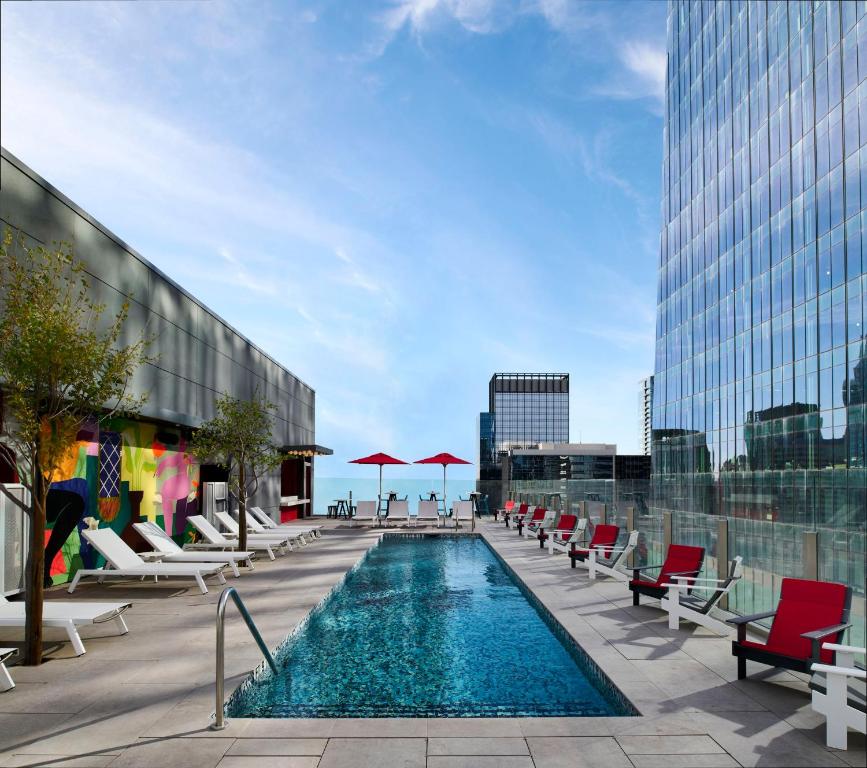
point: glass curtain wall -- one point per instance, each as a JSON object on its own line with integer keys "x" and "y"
{"x": 759, "y": 404}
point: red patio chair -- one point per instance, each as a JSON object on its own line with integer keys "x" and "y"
{"x": 566, "y": 527}
{"x": 603, "y": 536}
{"x": 537, "y": 517}
{"x": 681, "y": 560}
{"x": 519, "y": 515}
{"x": 808, "y": 614}
{"x": 507, "y": 507}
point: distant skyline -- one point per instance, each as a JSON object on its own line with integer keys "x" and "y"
{"x": 393, "y": 199}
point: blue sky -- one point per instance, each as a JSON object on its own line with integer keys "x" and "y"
{"x": 393, "y": 199}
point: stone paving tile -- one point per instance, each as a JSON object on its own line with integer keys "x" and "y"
{"x": 380, "y": 727}
{"x": 268, "y": 762}
{"x": 56, "y": 761}
{"x": 570, "y": 726}
{"x": 668, "y": 745}
{"x": 477, "y": 746}
{"x": 577, "y": 752}
{"x": 721, "y": 760}
{"x": 272, "y": 728}
{"x": 172, "y": 753}
{"x": 477, "y": 761}
{"x": 473, "y": 726}
{"x": 254, "y": 747}
{"x": 374, "y": 753}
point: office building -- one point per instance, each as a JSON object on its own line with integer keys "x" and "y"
{"x": 758, "y": 404}
{"x": 645, "y": 413}
{"x": 524, "y": 409}
{"x": 133, "y": 469}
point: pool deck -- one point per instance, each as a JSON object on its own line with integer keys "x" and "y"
{"x": 144, "y": 700}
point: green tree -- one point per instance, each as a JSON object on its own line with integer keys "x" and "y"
{"x": 238, "y": 439}
{"x": 62, "y": 365}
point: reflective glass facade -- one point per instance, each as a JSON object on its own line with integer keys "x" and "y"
{"x": 759, "y": 392}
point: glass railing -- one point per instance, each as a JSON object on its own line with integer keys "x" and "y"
{"x": 770, "y": 550}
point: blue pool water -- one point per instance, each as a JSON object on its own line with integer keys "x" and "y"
{"x": 429, "y": 626}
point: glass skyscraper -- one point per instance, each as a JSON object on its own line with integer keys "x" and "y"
{"x": 759, "y": 400}
{"x": 524, "y": 409}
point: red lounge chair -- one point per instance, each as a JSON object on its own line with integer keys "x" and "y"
{"x": 808, "y": 614}
{"x": 681, "y": 560}
{"x": 536, "y": 519}
{"x": 507, "y": 508}
{"x": 603, "y": 536}
{"x": 567, "y": 526}
{"x": 519, "y": 515}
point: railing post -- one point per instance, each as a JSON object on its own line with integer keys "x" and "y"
{"x": 722, "y": 554}
{"x": 810, "y": 555}
{"x": 603, "y": 515}
{"x": 666, "y": 531}
{"x": 630, "y": 526}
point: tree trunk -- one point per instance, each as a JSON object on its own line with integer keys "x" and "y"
{"x": 35, "y": 573}
{"x": 242, "y": 507}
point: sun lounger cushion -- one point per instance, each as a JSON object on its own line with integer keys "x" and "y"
{"x": 804, "y": 607}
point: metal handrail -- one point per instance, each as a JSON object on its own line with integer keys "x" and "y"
{"x": 220, "y": 721}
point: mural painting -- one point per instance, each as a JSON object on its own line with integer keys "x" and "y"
{"x": 126, "y": 472}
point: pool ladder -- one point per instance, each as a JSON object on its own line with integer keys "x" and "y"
{"x": 220, "y": 721}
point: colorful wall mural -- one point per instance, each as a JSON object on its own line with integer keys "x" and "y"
{"x": 122, "y": 473}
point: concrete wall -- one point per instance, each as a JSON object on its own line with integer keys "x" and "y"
{"x": 199, "y": 355}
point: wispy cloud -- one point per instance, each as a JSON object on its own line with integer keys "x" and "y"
{"x": 644, "y": 77}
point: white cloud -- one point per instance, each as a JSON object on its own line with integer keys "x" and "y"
{"x": 645, "y": 65}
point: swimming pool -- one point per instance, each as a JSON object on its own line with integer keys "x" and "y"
{"x": 429, "y": 626}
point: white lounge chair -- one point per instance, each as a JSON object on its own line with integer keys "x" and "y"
{"x": 365, "y": 512}
{"x": 680, "y": 604}
{"x": 296, "y": 533}
{"x": 213, "y": 539}
{"x": 68, "y": 615}
{"x": 313, "y": 531}
{"x": 6, "y": 681}
{"x": 569, "y": 530}
{"x": 398, "y": 512}
{"x": 168, "y": 552}
{"x": 612, "y": 561}
{"x": 462, "y": 512}
{"x": 838, "y": 693}
{"x": 234, "y": 530}
{"x": 125, "y": 563}
{"x": 428, "y": 512}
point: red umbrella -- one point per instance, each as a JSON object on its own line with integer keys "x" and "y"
{"x": 445, "y": 459}
{"x": 378, "y": 458}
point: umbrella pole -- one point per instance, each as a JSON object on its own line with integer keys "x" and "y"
{"x": 445, "y": 499}
{"x": 379, "y": 498}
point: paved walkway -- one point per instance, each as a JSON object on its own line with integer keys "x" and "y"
{"x": 145, "y": 699}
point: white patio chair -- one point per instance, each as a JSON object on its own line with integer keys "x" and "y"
{"x": 124, "y": 563}
{"x": 690, "y": 607}
{"x": 365, "y": 512}
{"x": 167, "y": 551}
{"x": 212, "y": 539}
{"x": 462, "y": 512}
{"x": 6, "y": 681}
{"x": 255, "y": 527}
{"x": 838, "y": 693}
{"x": 398, "y": 512}
{"x": 67, "y": 615}
{"x": 428, "y": 512}
{"x": 535, "y": 526}
{"x": 612, "y": 561}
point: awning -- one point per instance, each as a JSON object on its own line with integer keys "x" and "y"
{"x": 306, "y": 450}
